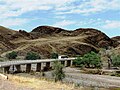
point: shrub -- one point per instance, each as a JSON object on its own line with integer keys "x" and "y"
{"x": 94, "y": 71}
{"x": 54, "y": 55}
{"x": 79, "y": 62}
{"x": 32, "y": 56}
{"x": 11, "y": 55}
{"x": 58, "y": 72}
{"x": 116, "y": 60}
{"x": 115, "y": 74}
{"x": 90, "y": 60}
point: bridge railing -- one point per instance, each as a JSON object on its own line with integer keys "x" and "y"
{"x": 22, "y": 62}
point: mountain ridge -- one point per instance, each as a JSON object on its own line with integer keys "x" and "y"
{"x": 47, "y": 39}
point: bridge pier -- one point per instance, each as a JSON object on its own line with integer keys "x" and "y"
{"x": 6, "y": 69}
{"x": 28, "y": 68}
{"x": 65, "y": 64}
{"x": 42, "y": 66}
{"x": 71, "y": 63}
{"x": 38, "y": 68}
{"x": 18, "y": 67}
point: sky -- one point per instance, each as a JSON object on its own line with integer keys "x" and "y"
{"x": 103, "y": 15}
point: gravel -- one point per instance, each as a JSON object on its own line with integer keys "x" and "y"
{"x": 73, "y": 75}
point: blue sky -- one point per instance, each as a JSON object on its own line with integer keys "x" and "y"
{"x": 68, "y": 14}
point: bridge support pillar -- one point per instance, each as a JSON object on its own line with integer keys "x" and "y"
{"x": 28, "y": 68}
{"x": 65, "y": 64}
{"x": 6, "y": 69}
{"x": 71, "y": 63}
{"x": 38, "y": 68}
{"x": 18, "y": 68}
{"x": 42, "y": 66}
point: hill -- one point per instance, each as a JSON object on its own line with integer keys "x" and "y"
{"x": 117, "y": 38}
{"x": 47, "y": 39}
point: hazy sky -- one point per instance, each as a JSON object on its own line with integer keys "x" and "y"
{"x": 68, "y": 14}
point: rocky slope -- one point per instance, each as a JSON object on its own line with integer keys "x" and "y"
{"x": 47, "y": 39}
{"x": 117, "y": 38}
{"x": 5, "y": 43}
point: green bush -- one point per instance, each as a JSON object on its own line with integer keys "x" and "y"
{"x": 79, "y": 62}
{"x": 115, "y": 74}
{"x": 32, "y": 56}
{"x": 116, "y": 60}
{"x": 90, "y": 60}
{"x": 11, "y": 55}
{"x": 58, "y": 72}
{"x": 54, "y": 55}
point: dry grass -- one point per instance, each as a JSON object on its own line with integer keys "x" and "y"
{"x": 40, "y": 84}
{"x": 45, "y": 46}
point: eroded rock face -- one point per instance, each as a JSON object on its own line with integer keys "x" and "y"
{"x": 97, "y": 38}
{"x": 79, "y": 49}
{"x": 117, "y": 38}
{"x": 24, "y": 33}
{"x": 101, "y": 41}
{"x": 47, "y": 39}
{"x": 5, "y": 45}
{"x": 21, "y": 34}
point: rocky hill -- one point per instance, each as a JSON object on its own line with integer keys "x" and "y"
{"x": 117, "y": 38}
{"x": 47, "y": 39}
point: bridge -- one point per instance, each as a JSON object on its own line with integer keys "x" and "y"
{"x": 39, "y": 64}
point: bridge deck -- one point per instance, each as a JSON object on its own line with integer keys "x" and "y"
{"x": 22, "y": 62}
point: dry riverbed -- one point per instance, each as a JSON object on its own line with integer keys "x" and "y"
{"x": 24, "y": 81}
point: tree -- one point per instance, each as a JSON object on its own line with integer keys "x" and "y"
{"x": 11, "y": 55}
{"x": 58, "y": 72}
{"x": 32, "y": 56}
{"x": 116, "y": 60}
{"x": 92, "y": 59}
{"x": 54, "y": 55}
{"x": 79, "y": 62}
{"x": 89, "y": 60}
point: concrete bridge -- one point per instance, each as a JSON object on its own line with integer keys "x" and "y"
{"x": 39, "y": 64}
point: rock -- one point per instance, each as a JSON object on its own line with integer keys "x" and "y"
{"x": 79, "y": 49}
{"x": 24, "y": 33}
{"x": 117, "y": 38}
